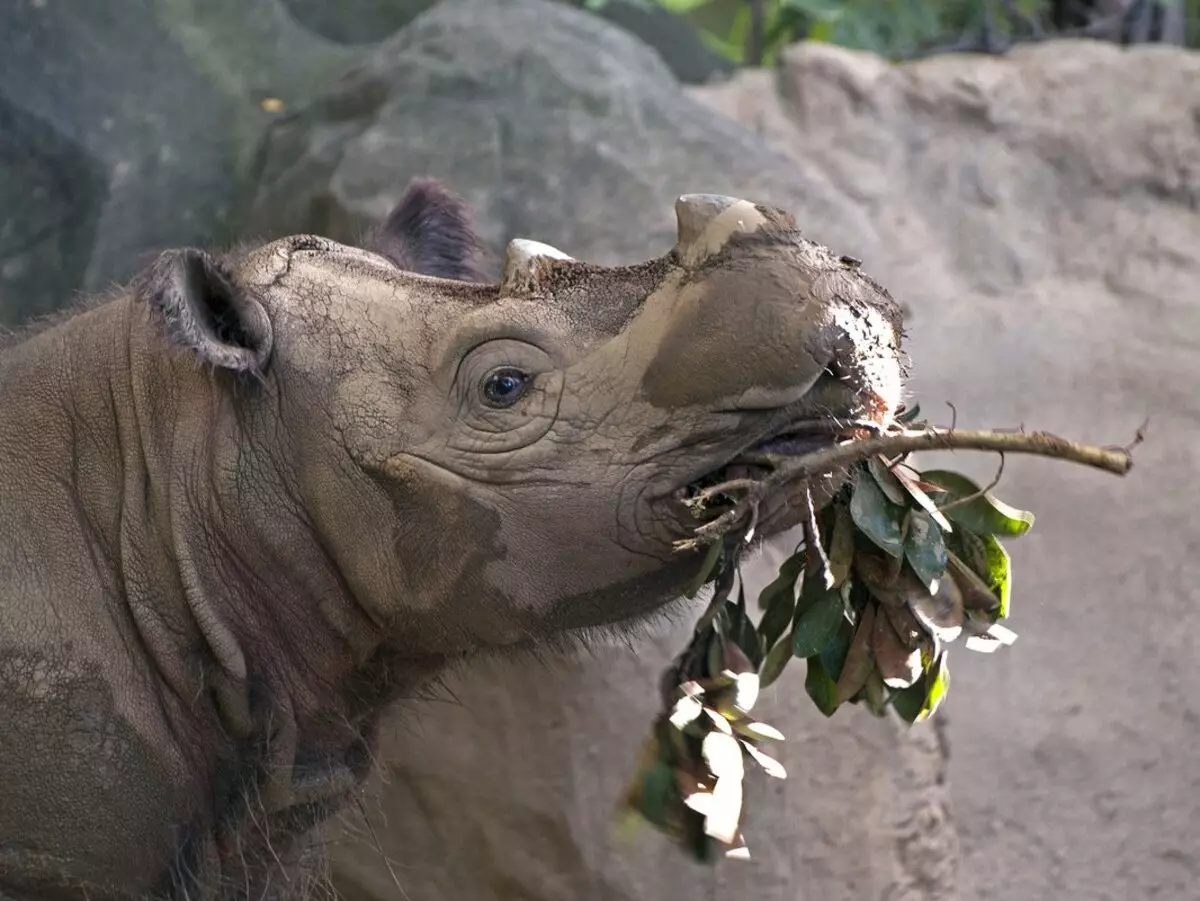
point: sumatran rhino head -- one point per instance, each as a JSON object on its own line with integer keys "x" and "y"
{"x": 498, "y": 463}
{"x": 256, "y": 497}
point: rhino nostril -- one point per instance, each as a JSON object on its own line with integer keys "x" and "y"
{"x": 835, "y": 370}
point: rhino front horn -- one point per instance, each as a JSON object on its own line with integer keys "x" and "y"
{"x": 526, "y": 266}
{"x": 706, "y": 223}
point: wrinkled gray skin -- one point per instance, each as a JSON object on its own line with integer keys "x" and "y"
{"x": 249, "y": 501}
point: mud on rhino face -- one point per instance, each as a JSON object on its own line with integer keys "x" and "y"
{"x": 514, "y": 457}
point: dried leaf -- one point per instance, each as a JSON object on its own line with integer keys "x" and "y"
{"x": 976, "y": 593}
{"x": 916, "y": 490}
{"x": 941, "y": 611}
{"x": 841, "y": 545}
{"x": 772, "y": 766}
{"x": 859, "y": 663}
{"x": 758, "y": 731}
{"x": 898, "y": 666}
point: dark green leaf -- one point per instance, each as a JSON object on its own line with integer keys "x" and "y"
{"x": 877, "y": 517}
{"x": 784, "y": 583}
{"x": 887, "y": 482}
{"x": 820, "y": 687}
{"x": 715, "y": 655}
{"x": 985, "y": 515}
{"x": 775, "y": 662}
{"x": 658, "y": 783}
{"x": 707, "y": 569}
{"x": 818, "y": 625}
{"x": 833, "y": 655}
{"x": 740, "y": 630}
{"x": 924, "y": 547}
{"x": 908, "y": 415}
{"x": 779, "y": 601}
{"x": 909, "y": 702}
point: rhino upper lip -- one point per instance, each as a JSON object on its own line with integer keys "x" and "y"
{"x": 794, "y": 438}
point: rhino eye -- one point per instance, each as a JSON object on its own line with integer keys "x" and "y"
{"x": 505, "y": 387}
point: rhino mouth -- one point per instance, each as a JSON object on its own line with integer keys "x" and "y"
{"x": 702, "y": 499}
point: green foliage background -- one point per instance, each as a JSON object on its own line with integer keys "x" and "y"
{"x": 895, "y": 29}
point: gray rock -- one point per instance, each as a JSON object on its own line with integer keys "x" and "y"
{"x": 551, "y": 123}
{"x": 355, "y": 21}
{"x": 127, "y": 126}
{"x": 559, "y": 127}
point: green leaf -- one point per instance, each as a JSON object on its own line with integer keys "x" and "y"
{"x": 833, "y": 655}
{"x": 707, "y": 569}
{"x": 876, "y": 517}
{"x": 777, "y": 618}
{"x": 681, "y": 6}
{"x": 985, "y": 515}
{"x": 777, "y": 659}
{"x": 657, "y": 784}
{"x": 740, "y": 630}
{"x": 938, "y": 680}
{"x": 907, "y": 415}
{"x": 888, "y": 483}
{"x": 820, "y": 687}
{"x": 999, "y": 572}
{"x": 925, "y": 548}
{"x": 818, "y": 625}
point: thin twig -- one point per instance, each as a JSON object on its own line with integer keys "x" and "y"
{"x": 963, "y": 501}
{"x": 1044, "y": 444}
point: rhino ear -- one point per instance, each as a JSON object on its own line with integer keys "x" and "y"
{"x": 205, "y": 311}
{"x": 430, "y": 232}
{"x": 527, "y": 265}
{"x": 706, "y": 222}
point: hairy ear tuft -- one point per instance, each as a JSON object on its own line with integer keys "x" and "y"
{"x": 430, "y": 232}
{"x": 205, "y": 311}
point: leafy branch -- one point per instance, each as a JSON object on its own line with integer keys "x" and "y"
{"x": 897, "y": 566}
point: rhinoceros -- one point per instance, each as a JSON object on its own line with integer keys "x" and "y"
{"x": 252, "y": 499}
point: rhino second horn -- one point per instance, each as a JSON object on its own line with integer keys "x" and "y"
{"x": 707, "y": 221}
{"x": 526, "y": 264}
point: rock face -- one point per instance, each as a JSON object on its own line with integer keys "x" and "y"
{"x": 1047, "y": 240}
{"x": 1048, "y": 244}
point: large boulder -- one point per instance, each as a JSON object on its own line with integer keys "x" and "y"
{"x": 1040, "y": 213}
{"x": 558, "y": 127}
{"x": 129, "y": 125}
